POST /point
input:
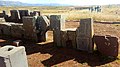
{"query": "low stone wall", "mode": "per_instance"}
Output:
(68, 38)
(11, 29)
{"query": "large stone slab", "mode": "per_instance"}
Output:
(42, 25)
(107, 45)
(2, 20)
(17, 30)
(29, 28)
(57, 23)
(2, 14)
(84, 44)
(86, 28)
(64, 37)
(35, 13)
(71, 33)
(5, 28)
(85, 35)
(11, 56)
(42, 22)
(23, 13)
(14, 15)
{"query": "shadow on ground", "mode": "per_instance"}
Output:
(61, 54)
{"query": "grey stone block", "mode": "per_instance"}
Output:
(23, 13)
(2, 20)
(64, 37)
(17, 30)
(57, 38)
(42, 26)
(11, 56)
(5, 28)
(14, 15)
(85, 35)
(71, 33)
(84, 44)
(86, 28)
(57, 24)
(29, 28)
(42, 22)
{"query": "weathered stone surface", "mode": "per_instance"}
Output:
(2, 20)
(71, 33)
(2, 14)
(14, 15)
(107, 45)
(35, 13)
(85, 35)
(42, 22)
(84, 44)
(11, 56)
(86, 28)
(29, 28)
(7, 18)
(64, 37)
(37, 26)
(42, 25)
(57, 24)
(23, 13)
(5, 28)
(17, 30)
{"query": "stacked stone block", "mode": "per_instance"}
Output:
(85, 35)
(68, 37)
(17, 30)
(14, 15)
(30, 28)
(71, 33)
(64, 37)
(57, 24)
(23, 13)
(5, 29)
(42, 25)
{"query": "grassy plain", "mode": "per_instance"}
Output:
(45, 55)
(107, 14)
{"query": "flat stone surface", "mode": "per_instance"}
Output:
(17, 30)
(57, 24)
(85, 35)
(71, 33)
(9, 56)
(29, 28)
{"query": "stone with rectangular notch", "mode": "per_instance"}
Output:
(11, 56)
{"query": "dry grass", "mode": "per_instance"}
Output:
(107, 14)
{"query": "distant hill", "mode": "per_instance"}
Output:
(17, 3)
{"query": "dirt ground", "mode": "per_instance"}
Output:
(46, 54)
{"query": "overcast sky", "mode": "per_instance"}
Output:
(72, 2)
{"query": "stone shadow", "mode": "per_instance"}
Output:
(60, 55)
